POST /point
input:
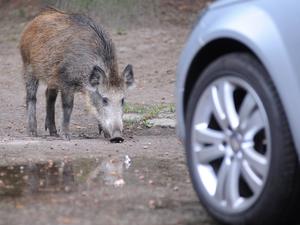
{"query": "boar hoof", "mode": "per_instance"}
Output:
(54, 134)
(52, 130)
(32, 133)
(66, 137)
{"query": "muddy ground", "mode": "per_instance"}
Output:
(144, 180)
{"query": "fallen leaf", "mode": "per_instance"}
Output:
(19, 206)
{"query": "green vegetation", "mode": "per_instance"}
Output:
(121, 31)
(147, 112)
(146, 123)
(21, 13)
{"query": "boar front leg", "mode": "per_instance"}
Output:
(31, 88)
(51, 95)
(100, 129)
(67, 97)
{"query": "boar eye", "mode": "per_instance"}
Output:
(122, 101)
(105, 101)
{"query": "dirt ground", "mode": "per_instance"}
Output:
(142, 181)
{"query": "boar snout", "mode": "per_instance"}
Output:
(117, 140)
(117, 137)
(114, 137)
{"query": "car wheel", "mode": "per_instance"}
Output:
(240, 151)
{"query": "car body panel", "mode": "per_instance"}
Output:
(272, 35)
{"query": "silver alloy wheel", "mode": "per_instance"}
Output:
(231, 144)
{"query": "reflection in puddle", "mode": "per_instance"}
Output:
(110, 171)
(61, 176)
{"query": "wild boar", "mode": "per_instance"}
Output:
(71, 53)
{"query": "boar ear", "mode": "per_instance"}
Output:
(128, 76)
(97, 76)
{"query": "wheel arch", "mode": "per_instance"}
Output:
(208, 54)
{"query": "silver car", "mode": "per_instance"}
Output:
(238, 110)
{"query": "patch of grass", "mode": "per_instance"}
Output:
(148, 112)
(130, 123)
(153, 111)
(147, 124)
(135, 108)
(172, 108)
(121, 31)
(21, 13)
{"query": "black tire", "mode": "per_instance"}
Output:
(278, 201)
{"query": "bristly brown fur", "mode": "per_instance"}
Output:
(61, 47)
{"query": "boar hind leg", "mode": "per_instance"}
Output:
(67, 97)
(51, 95)
(31, 88)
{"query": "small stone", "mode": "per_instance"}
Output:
(84, 193)
(19, 206)
(150, 182)
(42, 182)
(67, 188)
(119, 183)
(65, 220)
(163, 122)
(188, 181)
(151, 204)
(50, 163)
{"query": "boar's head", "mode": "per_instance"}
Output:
(106, 100)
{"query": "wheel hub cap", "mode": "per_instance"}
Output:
(235, 142)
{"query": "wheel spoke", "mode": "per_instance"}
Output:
(232, 184)
(217, 108)
(228, 103)
(210, 153)
(208, 136)
(247, 108)
(223, 105)
(221, 179)
(256, 161)
(253, 181)
(254, 124)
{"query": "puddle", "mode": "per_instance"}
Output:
(62, 176)
(111, 190)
